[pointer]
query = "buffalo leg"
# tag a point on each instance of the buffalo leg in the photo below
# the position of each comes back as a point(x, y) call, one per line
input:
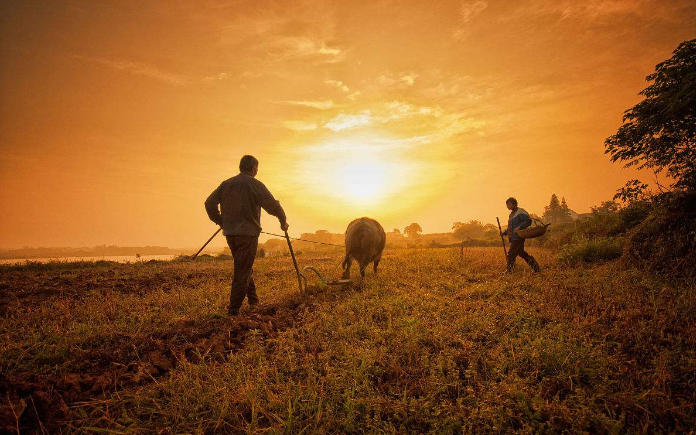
point(374, 267)
point(346, 273)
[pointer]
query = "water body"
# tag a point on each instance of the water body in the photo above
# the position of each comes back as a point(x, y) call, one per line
point(116, 258)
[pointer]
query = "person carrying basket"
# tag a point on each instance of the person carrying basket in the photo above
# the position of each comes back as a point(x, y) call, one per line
point(519, 219)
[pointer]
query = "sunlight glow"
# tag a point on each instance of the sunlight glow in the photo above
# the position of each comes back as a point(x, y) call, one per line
point(349, 174)
point(363, 181)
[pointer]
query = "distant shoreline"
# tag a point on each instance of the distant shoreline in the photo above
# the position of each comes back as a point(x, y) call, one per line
point(75, 259)
point(87, 252)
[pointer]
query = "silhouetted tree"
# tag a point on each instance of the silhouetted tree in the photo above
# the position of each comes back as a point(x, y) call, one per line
point(660, 132)
point(413, 230)
point(634, 190)
point(565, 211)
point(555, 212)
point(606, 207)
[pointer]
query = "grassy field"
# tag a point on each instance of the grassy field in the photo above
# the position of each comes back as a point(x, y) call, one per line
point(435, 343)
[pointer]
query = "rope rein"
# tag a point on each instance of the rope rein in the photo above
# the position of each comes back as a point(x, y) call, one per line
point(304, 240)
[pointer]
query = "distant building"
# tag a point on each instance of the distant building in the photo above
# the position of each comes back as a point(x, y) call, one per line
point(579, 216)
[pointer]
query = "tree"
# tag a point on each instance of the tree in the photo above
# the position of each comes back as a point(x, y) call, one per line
point(490, 231)
point(660, 132)
point(556, 212)
point(551, 211)
point(474, 230)
point(469, 230)
point(634, 190)
point(565, 211)
point(397, 232)
point(606, 207)
point(413, 230)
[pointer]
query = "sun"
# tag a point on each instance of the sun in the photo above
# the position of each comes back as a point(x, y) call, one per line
point(363, 181)
point(339, 179)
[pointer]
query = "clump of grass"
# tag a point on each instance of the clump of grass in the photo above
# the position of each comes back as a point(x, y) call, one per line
point(591, 250)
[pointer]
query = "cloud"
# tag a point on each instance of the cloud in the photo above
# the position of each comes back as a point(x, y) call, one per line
point(302, 30)
point(399, 81)
point(592, 10)
point(401, 109)
point(142, 69)
point(303, 48)
point(344, 121)
point(315, 104)
point(427, 124)
point(217, 78)
point(356, 142)
point(467, 11)
point(354, 95)
point(299, 125)
point(338, 84)
point(329, 51)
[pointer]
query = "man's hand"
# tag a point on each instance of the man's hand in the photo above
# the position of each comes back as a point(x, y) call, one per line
point(284, 226)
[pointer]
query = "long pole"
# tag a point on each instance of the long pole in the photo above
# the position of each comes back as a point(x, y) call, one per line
point(502, 238)
point(294, 261)
point(206, 244)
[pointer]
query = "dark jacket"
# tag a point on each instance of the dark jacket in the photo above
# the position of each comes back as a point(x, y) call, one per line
point(240, 199)
point(518, 220)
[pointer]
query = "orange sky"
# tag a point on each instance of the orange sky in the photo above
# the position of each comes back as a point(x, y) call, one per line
point(118, 118)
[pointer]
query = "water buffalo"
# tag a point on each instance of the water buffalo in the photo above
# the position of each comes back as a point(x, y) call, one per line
point(365, 240)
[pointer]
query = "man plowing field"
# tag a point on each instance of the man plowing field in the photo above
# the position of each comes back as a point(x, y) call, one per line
point(240, 200)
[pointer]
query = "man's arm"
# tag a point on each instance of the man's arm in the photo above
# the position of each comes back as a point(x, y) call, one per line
point(271, 205)
point(211, 206)
point(526, 221)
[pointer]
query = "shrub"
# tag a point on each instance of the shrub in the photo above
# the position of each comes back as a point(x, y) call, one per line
point(632, 215)
point(598, 226)
point(592, 250)
point(666, 240)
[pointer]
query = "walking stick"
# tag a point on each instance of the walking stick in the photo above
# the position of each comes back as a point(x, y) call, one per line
point(502, 238)
point(294, 261)
point(206, 243)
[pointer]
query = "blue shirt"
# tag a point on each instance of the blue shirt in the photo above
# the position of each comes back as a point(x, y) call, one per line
point(519, 219)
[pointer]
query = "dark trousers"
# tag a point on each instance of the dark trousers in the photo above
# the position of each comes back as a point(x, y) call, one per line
point(517, 250)
point(244, 253)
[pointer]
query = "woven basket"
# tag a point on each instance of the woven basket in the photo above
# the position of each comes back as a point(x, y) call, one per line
point(537, 229)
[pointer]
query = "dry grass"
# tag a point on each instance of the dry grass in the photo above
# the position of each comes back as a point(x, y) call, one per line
point(435, 343)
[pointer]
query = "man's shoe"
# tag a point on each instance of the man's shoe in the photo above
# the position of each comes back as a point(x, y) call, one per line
point(535, 266)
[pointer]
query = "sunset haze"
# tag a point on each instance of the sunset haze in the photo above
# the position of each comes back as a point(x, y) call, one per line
point(118, 119)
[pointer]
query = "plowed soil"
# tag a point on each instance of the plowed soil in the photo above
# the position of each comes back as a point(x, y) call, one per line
point(39, 402)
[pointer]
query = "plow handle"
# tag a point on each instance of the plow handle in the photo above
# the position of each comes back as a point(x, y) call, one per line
point(294, 261)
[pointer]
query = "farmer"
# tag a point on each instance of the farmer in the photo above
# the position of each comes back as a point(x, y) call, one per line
point(240, 199)
point(518, 220)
